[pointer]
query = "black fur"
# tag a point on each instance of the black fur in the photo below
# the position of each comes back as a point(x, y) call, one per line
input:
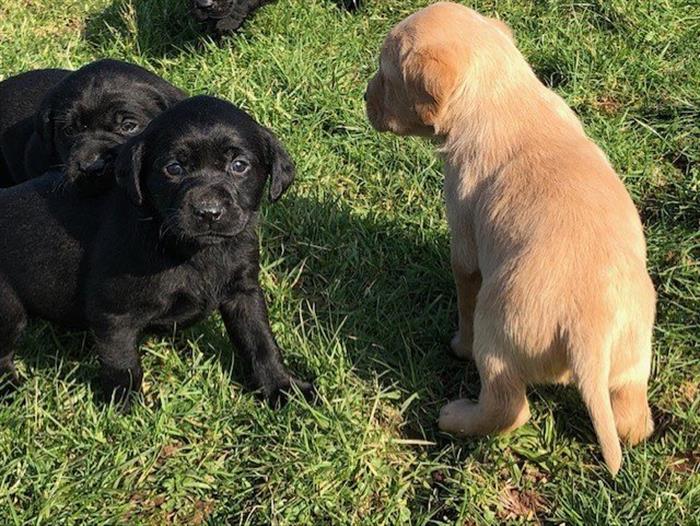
point(80, 119)
point(173, 241)
point(226, 16)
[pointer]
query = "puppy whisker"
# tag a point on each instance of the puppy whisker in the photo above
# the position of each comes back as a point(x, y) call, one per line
point(168, 225)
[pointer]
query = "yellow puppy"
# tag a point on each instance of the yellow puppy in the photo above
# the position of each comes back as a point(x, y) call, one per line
point(547, 249)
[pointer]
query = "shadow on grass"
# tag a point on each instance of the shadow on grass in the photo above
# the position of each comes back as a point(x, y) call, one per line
point(157, 28)
point(385, 286)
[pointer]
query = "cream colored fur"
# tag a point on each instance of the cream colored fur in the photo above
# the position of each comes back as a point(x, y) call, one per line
point(548, 252)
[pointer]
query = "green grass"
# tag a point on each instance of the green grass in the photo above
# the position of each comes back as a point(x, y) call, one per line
point(361, 297)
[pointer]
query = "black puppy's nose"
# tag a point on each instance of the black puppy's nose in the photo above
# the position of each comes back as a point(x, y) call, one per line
point(204, 3)
point(92, 166)
point(365, 96)
point(209, 210)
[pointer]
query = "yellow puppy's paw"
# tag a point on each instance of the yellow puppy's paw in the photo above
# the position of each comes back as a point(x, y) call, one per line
point(461, 347)
point(455, 417)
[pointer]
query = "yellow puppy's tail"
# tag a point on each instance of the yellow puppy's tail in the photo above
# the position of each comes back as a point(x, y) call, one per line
point(596, 396)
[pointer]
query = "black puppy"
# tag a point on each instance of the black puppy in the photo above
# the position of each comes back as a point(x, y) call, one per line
point(173, 241)
point(224, 16)
point(20, 97)
point(80, 119)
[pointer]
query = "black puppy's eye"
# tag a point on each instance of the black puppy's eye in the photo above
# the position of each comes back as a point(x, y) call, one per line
point(175, 169)
point(74, 129)
point(129, 127)
point(239, 166)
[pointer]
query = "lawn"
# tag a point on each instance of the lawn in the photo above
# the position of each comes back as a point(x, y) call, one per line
point(356, 271)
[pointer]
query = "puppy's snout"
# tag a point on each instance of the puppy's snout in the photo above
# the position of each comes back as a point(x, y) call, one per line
point(92, 166)
point(204, 4)
point(365, 96)
point(210, 210)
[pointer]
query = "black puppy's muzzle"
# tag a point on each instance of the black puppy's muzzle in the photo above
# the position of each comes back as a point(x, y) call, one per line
point(93, 166)
point(209, 210)
point(90, 157)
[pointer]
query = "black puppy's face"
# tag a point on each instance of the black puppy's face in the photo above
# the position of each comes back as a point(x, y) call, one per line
point(202, 167)
point(87, 130)
point(213, 9)
point(207, 183)
point(98, 108)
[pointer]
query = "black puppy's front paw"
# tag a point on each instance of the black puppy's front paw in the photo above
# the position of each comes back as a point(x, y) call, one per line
point(118, 396)
point(277, 393)
point(118, 386)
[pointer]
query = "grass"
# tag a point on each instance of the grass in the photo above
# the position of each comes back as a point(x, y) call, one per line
point(361, 297)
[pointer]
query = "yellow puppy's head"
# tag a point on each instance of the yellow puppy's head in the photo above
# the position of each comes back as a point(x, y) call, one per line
point(424, 64)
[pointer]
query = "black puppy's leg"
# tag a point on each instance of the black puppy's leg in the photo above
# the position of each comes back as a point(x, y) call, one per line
point(121, 373)
point(229, 24)
point(248, 327)
point(13, 320)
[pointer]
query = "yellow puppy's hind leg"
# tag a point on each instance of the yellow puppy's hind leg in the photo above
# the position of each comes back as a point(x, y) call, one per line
point(468, 285)
point(628, 389)
point(502, 404)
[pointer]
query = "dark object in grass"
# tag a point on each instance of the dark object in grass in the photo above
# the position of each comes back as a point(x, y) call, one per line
point(172, 241)
point(226, 16)
point(350, 5)
point(74, 120)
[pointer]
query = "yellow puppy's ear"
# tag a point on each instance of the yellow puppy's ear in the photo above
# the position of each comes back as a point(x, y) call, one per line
point(502, 27)
point(430, 79)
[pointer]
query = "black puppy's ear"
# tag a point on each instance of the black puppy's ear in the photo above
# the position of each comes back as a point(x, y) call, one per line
point(165, 94)
point(128, 168)
point(280, 166)
point(40, 151)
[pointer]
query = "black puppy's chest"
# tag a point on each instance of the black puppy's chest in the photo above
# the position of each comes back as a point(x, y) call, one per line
point(197, 299)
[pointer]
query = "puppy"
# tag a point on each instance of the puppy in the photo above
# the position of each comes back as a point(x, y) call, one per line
point(80, 119)
point(173, 241)
point(226, 16)
point(24, 93)
point(547, 249)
